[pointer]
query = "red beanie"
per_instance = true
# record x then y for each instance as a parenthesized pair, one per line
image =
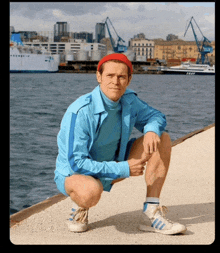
(119, 57)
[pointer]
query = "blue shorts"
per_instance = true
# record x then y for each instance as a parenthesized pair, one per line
(107, 184)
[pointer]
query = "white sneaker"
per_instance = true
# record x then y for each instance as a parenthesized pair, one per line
(155, 221)
(79, 220)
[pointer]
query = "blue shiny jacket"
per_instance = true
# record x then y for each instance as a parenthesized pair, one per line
(80, 126)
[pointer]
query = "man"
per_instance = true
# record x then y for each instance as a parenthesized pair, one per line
(95, 151)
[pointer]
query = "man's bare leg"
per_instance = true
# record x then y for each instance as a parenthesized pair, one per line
(157, 165)
(85, 192)
(154, 219)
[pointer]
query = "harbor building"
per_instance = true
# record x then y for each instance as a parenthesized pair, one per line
(99, 32)
(142, 47)
(27, 35)
(74, 48)
(61, 29)
(82, 35)
(179, 49)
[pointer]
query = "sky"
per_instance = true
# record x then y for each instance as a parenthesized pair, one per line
(155, 20)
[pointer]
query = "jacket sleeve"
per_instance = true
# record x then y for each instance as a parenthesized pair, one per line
(78, 139)
(149, 119)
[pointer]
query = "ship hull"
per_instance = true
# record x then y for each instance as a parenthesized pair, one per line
(33, 71)
(176, 72)
(32, 63)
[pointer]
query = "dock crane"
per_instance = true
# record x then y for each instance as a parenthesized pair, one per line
(204, 46)
(119, 47)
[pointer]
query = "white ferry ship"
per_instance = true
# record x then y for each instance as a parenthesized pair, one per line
(31, 59)
(189, 69)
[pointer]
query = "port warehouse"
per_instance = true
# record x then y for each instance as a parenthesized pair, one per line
(78, 54)
(161, 49)
(71, 50)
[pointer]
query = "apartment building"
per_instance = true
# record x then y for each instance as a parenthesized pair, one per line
(142, 47)
(99, 32)
(178, 49)
(61, 29)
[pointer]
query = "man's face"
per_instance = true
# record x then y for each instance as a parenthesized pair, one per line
(114, 79)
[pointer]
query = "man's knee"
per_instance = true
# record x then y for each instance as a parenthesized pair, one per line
(91, 192)
(86, 191)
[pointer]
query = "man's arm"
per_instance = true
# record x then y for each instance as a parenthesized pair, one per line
(148, 118)
(152, 123)
(78, 138)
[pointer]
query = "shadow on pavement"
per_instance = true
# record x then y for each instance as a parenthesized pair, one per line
(186, 214)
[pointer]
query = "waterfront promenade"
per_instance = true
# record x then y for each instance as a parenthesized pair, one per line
(188, 193)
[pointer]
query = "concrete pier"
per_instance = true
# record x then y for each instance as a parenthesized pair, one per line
(189, 194)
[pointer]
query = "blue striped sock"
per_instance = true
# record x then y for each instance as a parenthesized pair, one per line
(152, 200)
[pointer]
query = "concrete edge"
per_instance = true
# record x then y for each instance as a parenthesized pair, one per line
(25, 213)
(187, 136)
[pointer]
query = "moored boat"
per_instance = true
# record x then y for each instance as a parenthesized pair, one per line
(189, 69)
(31, 59)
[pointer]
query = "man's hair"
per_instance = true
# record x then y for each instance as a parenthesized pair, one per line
(117, 61)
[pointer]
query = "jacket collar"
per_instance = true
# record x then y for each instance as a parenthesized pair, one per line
(98, 105)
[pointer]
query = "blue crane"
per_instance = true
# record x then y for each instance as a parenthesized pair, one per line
(119, 48)
(204, 46)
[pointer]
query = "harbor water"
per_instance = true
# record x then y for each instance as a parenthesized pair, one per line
(39, 101)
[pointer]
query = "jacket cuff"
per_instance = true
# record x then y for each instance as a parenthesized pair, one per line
(152, 128)
(124, 169)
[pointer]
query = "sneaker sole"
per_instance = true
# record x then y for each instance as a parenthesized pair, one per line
(77, 228)
(165, 232)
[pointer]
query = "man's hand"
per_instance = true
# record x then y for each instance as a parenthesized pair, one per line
(151, 142)
(136, 166)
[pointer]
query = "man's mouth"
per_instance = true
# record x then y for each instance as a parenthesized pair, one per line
(115, 89)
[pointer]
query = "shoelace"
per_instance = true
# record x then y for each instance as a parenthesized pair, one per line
(81, 215)
(162, 209)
